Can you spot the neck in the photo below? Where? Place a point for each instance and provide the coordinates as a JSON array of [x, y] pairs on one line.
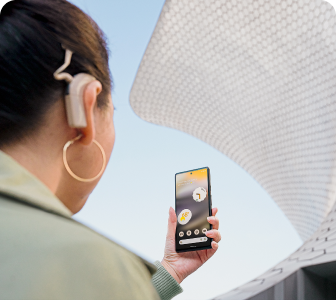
[[43, 161], [41, 153]]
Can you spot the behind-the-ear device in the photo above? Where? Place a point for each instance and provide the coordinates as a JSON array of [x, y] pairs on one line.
[[74, 102]]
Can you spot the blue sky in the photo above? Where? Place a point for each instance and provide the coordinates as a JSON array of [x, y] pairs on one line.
[[130, 204]]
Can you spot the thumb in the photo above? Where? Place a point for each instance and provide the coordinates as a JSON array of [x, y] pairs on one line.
[[171, 224]]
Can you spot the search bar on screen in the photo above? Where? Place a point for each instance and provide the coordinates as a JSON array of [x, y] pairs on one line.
[[192, 241]]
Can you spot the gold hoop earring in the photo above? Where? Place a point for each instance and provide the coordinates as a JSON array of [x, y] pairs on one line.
[[67, 145]]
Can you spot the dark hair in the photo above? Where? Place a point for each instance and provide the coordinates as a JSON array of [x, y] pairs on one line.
[[32, 33]]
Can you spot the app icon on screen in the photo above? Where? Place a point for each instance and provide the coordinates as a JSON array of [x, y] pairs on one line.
[[199, 194], [184, 216], [181, 234], [196, 231], [204, 230], [188, 233]]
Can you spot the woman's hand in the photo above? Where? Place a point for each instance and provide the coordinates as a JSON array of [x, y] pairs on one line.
[[180, 265]]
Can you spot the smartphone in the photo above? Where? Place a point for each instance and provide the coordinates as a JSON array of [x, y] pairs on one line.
[[193, 206]]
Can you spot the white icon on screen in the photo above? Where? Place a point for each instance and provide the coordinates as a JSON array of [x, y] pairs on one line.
[[204, 230], [181, 234], [188, 233], [196, 231], [199, 194]]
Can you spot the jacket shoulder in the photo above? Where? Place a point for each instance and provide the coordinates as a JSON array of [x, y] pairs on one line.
[[48, 253]]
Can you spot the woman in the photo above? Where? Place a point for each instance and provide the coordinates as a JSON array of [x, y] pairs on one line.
[[44, 253]]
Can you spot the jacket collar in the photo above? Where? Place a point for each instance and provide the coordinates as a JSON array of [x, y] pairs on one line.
[[16, 182]]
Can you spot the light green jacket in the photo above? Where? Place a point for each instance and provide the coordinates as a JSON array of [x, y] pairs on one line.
[[45, 254]]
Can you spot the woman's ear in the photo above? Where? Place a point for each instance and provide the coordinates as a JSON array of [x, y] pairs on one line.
[[90, 95]]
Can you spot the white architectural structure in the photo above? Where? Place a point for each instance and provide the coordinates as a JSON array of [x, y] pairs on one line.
[[256, 79]]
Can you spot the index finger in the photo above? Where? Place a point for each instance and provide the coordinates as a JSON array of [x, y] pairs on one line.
[[214, 211]]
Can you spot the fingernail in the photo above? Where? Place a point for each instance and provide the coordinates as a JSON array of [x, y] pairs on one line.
[[209, 218], [208, 232]]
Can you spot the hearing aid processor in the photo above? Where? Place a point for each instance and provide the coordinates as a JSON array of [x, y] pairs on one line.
[[74, 102]]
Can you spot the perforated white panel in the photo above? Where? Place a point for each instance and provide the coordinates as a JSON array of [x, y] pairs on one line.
[[255, 79]]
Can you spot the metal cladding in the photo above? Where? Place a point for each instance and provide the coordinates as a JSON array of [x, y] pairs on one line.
[[256, 80], [319, 249]]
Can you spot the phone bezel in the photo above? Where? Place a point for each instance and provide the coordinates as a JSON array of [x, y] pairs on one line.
[[210, 211]]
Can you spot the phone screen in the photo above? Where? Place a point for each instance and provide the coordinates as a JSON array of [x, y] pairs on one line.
[[192, 206]]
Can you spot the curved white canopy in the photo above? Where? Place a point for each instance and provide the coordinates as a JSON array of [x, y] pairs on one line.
[[256, 80]]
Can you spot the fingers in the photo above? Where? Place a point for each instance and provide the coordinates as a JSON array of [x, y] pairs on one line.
[[214, 246], [214, 221], [172, 215], [171, 224], [214, 234]]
